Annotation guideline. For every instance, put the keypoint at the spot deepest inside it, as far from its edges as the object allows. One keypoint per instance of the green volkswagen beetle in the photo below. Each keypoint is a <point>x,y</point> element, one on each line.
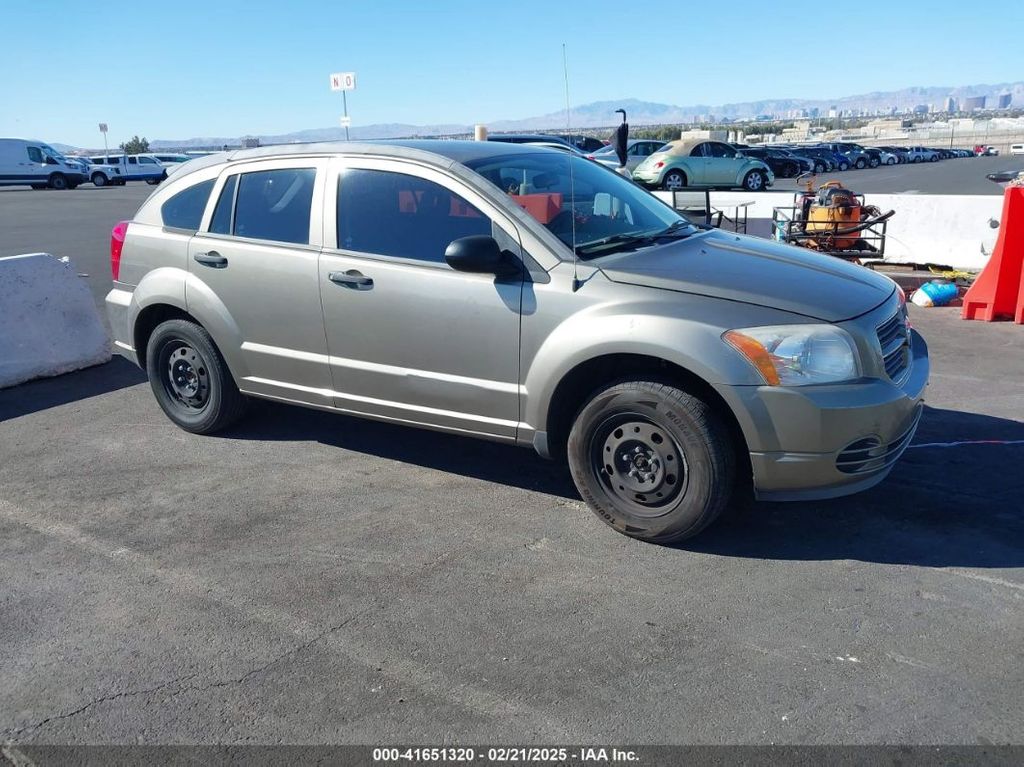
<point>705,163</point>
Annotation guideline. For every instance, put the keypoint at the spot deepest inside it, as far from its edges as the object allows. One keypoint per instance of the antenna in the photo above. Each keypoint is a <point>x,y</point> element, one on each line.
<point>572,186</point>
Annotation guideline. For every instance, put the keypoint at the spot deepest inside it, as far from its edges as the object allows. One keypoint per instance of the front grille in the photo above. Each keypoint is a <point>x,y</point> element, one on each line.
<point>868,455</point>
<point>894,340</point>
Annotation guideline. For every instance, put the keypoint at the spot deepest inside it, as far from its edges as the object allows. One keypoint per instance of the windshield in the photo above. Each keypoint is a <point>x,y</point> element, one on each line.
<point>49,151</point>
<point>605,210</point>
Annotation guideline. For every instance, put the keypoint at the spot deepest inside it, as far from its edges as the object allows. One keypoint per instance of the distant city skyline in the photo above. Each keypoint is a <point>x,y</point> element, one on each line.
<point>232,69</point>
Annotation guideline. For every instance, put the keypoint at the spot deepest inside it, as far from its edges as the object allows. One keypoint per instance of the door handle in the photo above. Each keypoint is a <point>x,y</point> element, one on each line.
<point>213,258</point>
<point>351,279</point>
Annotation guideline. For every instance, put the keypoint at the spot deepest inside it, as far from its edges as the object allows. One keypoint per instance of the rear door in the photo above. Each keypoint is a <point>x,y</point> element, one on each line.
<point>410,339</point>
<point>255,260</point>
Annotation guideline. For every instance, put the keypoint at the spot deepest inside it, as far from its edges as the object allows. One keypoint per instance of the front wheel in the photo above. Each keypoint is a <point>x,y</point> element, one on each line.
<point>844,166</point>
<point>190,379</point>
<point>98,179</point>
<point>819,167</point>
<point>674,180</point>
<point>860,164</point>
<point>58,181</point>
<point>934,158</point>
<point>651,460</point>
<point>890,161</point>
<point>754,181</point>
<point>875,163</point>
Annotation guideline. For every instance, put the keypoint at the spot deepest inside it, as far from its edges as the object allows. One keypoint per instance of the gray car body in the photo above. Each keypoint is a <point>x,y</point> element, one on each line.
<point>511,359</point>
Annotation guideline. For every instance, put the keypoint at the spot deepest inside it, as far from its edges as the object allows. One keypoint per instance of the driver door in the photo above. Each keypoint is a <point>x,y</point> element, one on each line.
<point>409,338</point>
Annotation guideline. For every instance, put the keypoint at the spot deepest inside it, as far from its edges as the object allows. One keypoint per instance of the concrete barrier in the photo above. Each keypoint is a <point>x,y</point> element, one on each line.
<point>48,321</point>
<point>953,229</point>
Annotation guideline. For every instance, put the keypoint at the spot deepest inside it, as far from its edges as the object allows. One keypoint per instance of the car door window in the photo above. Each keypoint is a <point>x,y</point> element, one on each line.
<point>716,149</point>
<point>698,151</point>
<point>222,214</point>
<point>133,161</point>
<point>35,154</point>
<point>395,214</point>
<point>147,161</point>
<point>275,205</point>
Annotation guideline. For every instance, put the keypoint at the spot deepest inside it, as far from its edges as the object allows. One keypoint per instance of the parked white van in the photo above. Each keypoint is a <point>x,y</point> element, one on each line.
<point>26,162</point>
<point>1016,148</point>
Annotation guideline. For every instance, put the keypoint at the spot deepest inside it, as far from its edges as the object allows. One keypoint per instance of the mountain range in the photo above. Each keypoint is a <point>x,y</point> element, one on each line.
<point>602,114</point>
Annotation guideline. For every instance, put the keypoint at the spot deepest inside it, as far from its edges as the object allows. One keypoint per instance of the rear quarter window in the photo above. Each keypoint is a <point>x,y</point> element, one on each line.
<point>184,210</point>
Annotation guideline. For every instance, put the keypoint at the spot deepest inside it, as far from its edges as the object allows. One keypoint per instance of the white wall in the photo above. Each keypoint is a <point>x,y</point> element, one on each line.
<point>948,229</point>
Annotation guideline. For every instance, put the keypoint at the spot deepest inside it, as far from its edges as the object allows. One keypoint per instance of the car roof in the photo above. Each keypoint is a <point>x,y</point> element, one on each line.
<point>434,151</point>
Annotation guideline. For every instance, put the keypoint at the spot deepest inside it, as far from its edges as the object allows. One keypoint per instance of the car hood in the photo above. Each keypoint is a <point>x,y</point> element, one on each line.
<point>754,271</point>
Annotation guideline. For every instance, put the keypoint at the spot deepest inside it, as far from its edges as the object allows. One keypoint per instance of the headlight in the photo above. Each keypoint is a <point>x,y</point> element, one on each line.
<point>795,355</point>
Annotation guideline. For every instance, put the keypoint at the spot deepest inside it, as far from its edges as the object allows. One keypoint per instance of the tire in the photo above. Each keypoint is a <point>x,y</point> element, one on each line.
<point>152,181</point>
<point>819,167</point>
<point>844,166</point>
<point>874,163</point>
<point>58,181</point>
<point>860,164</point>
<point>190,380</point>
<point>890,161</point>
<point>671,441</point>
<point>98,179</point>
<point>755,181</point>
<point>934,158</point>
<point>673,180</point>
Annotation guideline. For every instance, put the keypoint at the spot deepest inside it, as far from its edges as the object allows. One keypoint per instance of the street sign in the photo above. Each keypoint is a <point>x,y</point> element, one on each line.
<point>343,81</point>
<point>103,127</point>
<point>346,121</point>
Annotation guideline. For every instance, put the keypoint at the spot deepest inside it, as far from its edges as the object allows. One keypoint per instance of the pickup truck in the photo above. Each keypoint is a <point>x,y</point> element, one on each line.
<point>133,167</point>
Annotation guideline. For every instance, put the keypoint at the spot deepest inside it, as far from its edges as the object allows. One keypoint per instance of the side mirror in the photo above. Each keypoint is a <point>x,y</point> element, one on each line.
<point>479,254</point>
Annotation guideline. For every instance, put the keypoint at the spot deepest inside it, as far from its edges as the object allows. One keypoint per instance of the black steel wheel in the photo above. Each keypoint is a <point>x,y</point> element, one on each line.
<point>651,460</point>
<point>190,379</point>
<point>58,181</point>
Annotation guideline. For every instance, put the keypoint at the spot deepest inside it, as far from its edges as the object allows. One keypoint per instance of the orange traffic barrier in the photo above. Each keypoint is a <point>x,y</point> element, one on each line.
<point>999,289</point>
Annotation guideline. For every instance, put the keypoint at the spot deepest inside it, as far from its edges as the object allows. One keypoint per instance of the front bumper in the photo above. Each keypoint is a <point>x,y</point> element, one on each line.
<point>818,442</point>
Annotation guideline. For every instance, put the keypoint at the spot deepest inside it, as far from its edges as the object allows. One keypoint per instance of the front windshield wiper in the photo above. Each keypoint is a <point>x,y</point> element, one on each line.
<point>635,238</point>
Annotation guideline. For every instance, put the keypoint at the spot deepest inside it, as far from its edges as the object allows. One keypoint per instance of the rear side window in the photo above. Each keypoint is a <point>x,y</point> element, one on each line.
<point>185,209</point>
<point>394,214</point>
<point>275,205</point>
<point>221,223</point>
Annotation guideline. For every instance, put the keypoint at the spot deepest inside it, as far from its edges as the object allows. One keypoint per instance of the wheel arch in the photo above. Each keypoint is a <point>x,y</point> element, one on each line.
<point>578,384</point>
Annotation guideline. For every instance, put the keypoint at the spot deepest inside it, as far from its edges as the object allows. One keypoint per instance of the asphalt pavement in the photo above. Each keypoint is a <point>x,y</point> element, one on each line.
<point>309,577</point>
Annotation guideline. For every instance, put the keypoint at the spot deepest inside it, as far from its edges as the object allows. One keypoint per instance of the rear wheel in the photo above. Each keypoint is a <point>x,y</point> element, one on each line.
<point>673,180</point>
<point>190,379</point>
<point>819,167</point>
<point>651,460</point>
<point>754,181</point>
<point>935,158</point>
<point>860,164</point>
<point>58,181</point>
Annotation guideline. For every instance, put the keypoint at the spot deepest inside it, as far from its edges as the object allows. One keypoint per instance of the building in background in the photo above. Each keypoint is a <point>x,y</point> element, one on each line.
<point>1005,99</point>
<point>949,105</point>
<point>972,103</point>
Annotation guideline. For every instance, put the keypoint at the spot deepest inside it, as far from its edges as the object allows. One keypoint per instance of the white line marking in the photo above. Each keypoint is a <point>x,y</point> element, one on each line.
<point>970,442</point>
<point>983,578</point>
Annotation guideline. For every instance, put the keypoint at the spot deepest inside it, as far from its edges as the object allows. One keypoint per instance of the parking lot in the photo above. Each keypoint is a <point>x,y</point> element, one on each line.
<point>308,577</point>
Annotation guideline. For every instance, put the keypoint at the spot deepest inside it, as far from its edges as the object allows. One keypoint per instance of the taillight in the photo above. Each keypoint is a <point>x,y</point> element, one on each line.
<point>659,164</point>
<point>116,244</point>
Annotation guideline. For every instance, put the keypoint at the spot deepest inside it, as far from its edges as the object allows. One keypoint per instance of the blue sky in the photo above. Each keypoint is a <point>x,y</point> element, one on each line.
<point>183,69</point>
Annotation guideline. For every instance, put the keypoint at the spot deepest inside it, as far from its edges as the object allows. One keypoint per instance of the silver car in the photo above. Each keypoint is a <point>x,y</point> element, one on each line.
<point>637,150</point>
<point>521,295</point>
